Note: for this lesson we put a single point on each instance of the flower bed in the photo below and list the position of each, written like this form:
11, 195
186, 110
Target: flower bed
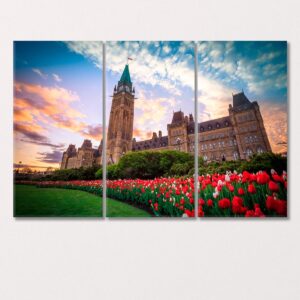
243, 195
220, 195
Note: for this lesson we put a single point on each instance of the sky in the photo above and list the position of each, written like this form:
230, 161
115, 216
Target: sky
163, 76
58, 89
57, 100
257, 68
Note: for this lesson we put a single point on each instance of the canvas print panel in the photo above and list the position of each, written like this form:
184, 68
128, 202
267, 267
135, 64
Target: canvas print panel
150, 134
57, 129
243, 129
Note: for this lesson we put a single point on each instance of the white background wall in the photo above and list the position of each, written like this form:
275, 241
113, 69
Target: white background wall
154, 259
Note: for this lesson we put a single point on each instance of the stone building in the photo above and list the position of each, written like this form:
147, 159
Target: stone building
85, 156
236, 136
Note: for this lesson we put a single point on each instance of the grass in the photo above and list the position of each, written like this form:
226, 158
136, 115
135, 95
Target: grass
31, 201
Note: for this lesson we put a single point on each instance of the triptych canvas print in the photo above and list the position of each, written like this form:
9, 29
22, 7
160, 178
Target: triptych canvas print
139, 129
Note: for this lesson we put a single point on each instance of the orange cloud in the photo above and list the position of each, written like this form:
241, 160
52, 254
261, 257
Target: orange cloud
141, 135
35, 104
276, 123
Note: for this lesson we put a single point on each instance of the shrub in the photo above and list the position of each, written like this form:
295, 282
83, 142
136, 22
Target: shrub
113, 172
88, 173
265, 161
151, 164
99, 174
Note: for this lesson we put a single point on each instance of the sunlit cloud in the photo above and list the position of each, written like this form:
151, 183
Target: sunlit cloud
276, 123
154, 63
260, 68
51, 106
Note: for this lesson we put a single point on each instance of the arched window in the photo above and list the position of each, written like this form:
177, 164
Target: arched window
260, 149
205, 157
249, 152
235, 155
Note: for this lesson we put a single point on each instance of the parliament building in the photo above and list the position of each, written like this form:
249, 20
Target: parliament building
236, 136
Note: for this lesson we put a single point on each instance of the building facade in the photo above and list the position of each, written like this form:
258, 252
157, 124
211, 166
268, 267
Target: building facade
85, 156
236, 136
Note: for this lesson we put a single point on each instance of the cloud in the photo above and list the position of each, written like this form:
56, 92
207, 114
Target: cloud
30, 131
276, 121
167, 65
40, 73
151, 113
91, 50
93, 132
56, 77
49, 106
48, 144
214, 98
141, 135
37, 109
53, 157
258, 67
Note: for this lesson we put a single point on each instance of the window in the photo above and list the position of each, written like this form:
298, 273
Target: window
235, 155
248, 152
260, 149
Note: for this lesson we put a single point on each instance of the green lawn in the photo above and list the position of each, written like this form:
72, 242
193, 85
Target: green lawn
31, 201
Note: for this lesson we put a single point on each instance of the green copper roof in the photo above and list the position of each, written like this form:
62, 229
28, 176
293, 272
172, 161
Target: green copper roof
125, 78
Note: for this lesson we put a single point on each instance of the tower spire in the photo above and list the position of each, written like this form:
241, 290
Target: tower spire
125, 78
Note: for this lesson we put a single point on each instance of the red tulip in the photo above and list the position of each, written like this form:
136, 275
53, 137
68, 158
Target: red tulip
209, 203
263, 178
273, 186
241, 191
251, 189
224, 203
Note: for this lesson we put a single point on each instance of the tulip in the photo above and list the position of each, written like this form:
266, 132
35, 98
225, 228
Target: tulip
251, 189
273, 186
241, 191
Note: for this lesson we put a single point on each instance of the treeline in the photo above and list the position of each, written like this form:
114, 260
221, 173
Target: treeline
152, 164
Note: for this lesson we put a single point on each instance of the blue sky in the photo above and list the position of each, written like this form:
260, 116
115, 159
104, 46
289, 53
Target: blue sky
58, 89
58, 100
258, 68
163, 76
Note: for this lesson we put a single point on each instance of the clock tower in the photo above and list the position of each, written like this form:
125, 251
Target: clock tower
120, 127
